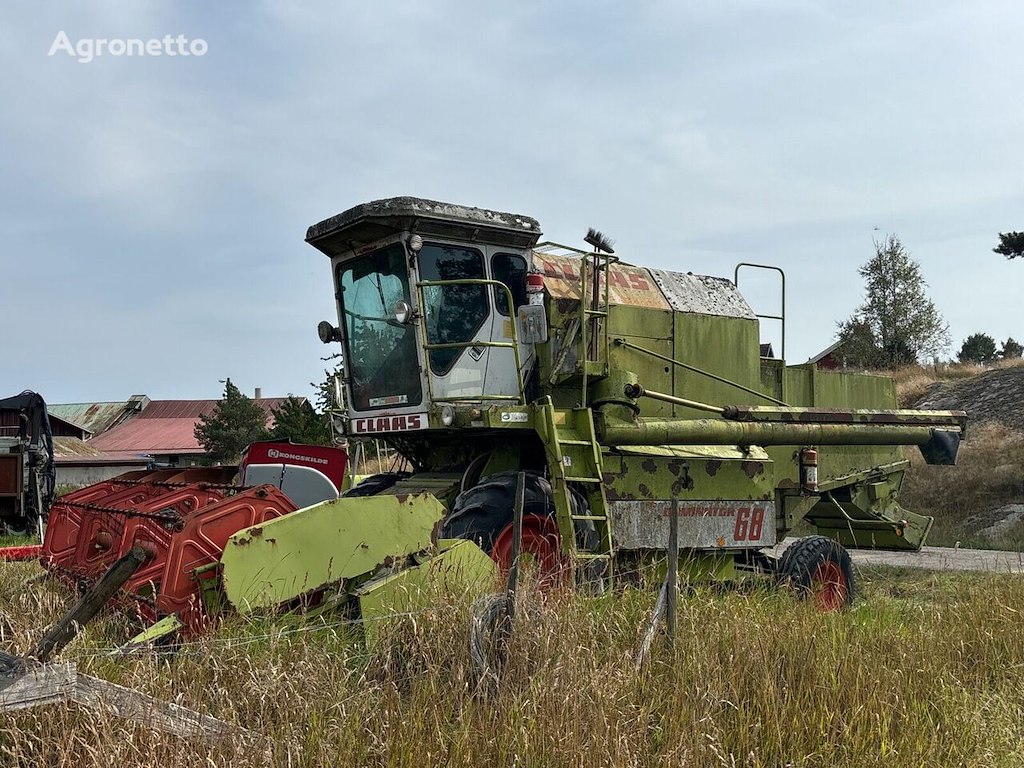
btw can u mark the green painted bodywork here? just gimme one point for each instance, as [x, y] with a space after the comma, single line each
[696, 567]
[345, 539]
[168, 626]
[458, 570]
[716, 359]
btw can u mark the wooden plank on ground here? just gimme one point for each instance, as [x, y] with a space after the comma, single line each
[36, 686]
[60, 682]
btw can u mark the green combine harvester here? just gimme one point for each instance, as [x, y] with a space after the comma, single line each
[628, 403]
[627, 395]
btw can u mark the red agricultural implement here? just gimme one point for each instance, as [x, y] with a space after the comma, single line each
[181, 520]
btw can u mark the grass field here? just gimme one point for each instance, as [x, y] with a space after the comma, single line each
[927, 669]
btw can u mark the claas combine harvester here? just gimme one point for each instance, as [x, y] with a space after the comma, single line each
[624, 395]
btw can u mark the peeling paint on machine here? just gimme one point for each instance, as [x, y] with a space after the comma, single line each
[704, 524]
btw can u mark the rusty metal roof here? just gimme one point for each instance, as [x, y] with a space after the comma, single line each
[92, 417]
[72, 450]
[166, 427]
[643, 287]
[702, 294]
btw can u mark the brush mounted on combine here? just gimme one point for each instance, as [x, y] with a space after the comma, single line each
[627, 396]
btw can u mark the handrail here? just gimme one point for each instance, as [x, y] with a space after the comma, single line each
[426, 345]
[598, 262]
[782, 317]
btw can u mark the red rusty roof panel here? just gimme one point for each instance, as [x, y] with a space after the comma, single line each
[71, 450]
[166, 427]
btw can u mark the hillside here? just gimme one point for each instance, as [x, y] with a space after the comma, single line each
[988, 396]
[979, 502]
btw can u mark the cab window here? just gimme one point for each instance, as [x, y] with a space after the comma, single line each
[453, 313]
[509, 268]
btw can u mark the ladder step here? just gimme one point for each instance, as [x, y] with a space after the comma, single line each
[589, 517]
[583, 479]
[593, 556]
[596, 312]
[572, 441]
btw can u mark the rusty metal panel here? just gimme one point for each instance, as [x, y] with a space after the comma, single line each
[10, 475]
[91, 417]
[702, 294]
[703, 524]
[629, 285]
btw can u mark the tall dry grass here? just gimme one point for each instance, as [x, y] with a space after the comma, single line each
[920, 674]
[989, 473]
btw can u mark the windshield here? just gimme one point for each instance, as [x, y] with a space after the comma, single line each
[380, 354]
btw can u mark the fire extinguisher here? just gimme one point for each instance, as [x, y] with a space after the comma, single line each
[809, 470]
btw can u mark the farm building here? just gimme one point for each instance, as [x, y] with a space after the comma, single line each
[96, 441]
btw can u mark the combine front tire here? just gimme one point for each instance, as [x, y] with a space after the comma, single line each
[820, 569]
[484, 514]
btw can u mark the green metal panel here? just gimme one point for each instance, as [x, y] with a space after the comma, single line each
[806, 385]
[726, 346]
[799, 390]
[166, 627]
[647, 328]
[696, 567]
[772, 375]
[641, 483]
[346, 538]
[460, 569]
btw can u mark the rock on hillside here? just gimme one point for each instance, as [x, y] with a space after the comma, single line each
[996, 395]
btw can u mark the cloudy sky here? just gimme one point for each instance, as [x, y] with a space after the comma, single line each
[154, 208]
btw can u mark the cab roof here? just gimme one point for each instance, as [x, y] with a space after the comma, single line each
[369, 222]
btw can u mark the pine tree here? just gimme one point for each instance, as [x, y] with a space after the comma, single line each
[235, 423]
[1011, 349]
[296, 420]
[1011, 244]
[977, 348]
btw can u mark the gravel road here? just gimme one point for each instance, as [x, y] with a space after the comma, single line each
[937, 559]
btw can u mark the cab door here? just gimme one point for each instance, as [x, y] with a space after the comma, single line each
[460, 317]
[509, 268]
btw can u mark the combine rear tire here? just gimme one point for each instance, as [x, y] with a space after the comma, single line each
[820, 569]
